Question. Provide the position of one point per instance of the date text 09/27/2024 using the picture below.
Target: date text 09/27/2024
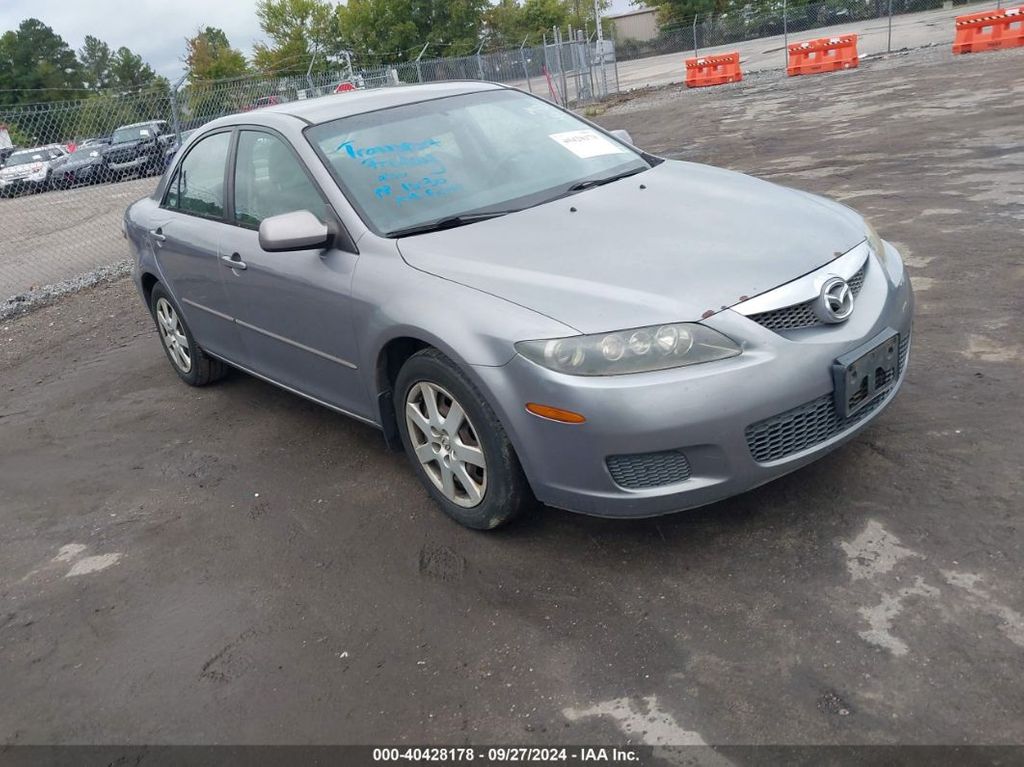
(512, 754)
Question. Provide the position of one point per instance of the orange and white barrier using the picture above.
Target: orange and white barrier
(989, 30)
(826, 54)
(713, 70)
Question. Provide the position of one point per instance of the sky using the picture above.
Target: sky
(155, 29)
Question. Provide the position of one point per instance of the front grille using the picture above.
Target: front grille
(641, 470)
(802, 315)
(856, 282)
(802, 427)
(812, 423)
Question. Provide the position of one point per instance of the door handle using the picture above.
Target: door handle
(158, 235)
(234, 261)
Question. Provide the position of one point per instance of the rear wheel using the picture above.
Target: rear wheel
(456, 444)
(190, 362)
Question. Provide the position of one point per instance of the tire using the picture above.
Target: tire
(479, 497)
(193, 366)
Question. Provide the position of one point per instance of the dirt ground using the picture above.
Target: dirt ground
(236, 565)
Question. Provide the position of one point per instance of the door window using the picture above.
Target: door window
(270, 180)
(197, 186)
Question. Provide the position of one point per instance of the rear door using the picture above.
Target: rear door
(292, 309)
(186, 234)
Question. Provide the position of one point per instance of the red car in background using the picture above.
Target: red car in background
(264, 101)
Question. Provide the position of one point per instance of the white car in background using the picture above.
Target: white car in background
(29, 169)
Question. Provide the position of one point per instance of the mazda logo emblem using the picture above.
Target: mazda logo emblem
(836, 302)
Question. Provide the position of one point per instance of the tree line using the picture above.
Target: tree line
(37, 65)
(378, 32)
(99, 87)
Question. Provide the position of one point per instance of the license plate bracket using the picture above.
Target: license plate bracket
(866, 373)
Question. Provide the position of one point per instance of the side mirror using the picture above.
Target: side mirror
(299, 230)
(623, 135)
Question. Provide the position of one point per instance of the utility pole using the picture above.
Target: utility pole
(348, 64)
(419, 72)
(888, 46)
(785, 35)
(309, 69)
(526, 69)
(600, 48)
(175, 116)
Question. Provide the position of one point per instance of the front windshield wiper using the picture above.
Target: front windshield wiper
(579, 186)
(450, 222)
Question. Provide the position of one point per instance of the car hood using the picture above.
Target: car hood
(126, 147)
(78, 162)
(668, 245)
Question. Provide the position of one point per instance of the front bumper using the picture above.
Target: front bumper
(703, 411)
(133, 164)
(17, 184)
(78, 175)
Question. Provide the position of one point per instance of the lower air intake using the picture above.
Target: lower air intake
(637, 471)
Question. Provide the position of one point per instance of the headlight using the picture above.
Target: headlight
(887, 257)
(639, 350)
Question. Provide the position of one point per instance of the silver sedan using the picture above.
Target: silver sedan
(531, 307)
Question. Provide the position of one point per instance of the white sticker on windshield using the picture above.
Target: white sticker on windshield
(143, 132)
(587, 143)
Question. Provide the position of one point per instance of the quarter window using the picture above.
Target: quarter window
(197, 186)
(270, 180)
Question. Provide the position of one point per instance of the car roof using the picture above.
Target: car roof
(333, 106)
(142, 124)
(39, 148)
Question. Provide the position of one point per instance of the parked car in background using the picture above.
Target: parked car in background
(5, 152)
(85, 165)
(29, 169)
(527, 303)
(175, 144)
(139, 149)
(262, 102)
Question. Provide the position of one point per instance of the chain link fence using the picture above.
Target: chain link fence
(789, 22)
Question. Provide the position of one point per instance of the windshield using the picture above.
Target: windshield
(24, 158)
(122, 135)
(492, 151)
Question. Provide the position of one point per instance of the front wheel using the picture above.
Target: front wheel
(456, 444)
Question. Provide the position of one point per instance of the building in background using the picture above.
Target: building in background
(640, 24)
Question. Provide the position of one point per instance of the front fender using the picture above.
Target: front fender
(393, 300)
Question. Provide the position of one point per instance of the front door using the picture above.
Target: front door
(185, 232)
(292, 309)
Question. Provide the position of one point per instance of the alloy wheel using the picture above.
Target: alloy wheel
(446, 444)
(173, 334)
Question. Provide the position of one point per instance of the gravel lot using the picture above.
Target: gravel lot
(235, 565)
(58, 235)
